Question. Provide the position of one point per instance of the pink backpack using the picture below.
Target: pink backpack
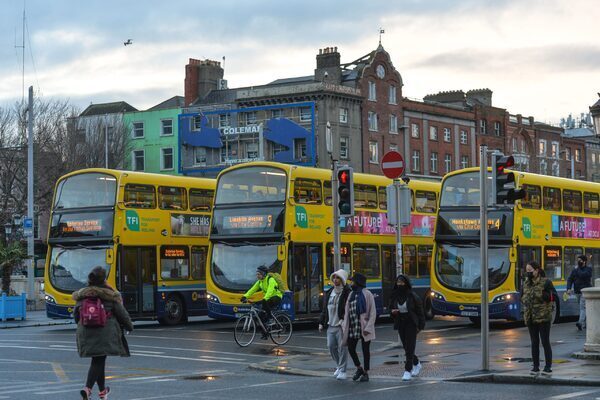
(92, 313)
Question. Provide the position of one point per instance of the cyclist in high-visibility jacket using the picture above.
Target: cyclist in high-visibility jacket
(272, 294)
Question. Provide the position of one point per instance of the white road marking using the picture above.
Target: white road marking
(571, 395)
(358, 393)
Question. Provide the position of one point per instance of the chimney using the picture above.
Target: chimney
(328, 66)
(201, 77)
(484, 96)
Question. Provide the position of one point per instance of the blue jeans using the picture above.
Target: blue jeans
(581, 301)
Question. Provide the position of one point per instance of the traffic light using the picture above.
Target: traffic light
(345, 191)
(503, 182)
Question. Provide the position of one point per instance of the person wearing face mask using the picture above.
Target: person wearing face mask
(334, 305)
(580, 278)
(537, 313)
(406, 308)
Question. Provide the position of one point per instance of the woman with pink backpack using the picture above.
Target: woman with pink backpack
(100, 318)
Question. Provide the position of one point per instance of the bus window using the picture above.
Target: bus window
(552, 262)
(174, 262)
(526, 255)
(593, 256)
(365, 196)
(382, 198)
(251, 184)
(463, 190)
(199, 262)
(572, 201)
(201, 199)
(86, 190)
(171, 198)
(425, 201)
(327, 193)
(409, 259)
(533, 197)
(571, 254)
(307, 191)
(424, 260)
(139, 196)
(590, 203)
(345, 256)
(412, 200)
(366, 260)
(552, 199)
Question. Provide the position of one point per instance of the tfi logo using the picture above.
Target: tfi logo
(301, 217)
(133, 220)
(527, 228)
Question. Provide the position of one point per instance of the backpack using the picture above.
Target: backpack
(279, 280)
(92, 313)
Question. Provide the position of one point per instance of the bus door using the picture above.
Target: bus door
(307, 277)
(388, 263)
(138, 279)
(526, 254)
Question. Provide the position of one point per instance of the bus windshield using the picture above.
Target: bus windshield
(86, 190)
(463, 190)
(253, 184)
(459, 266)
(233, 267)
(69, 267)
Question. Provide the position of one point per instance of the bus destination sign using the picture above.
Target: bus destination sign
(468, 224)
(247, 221)
(473, 224)
(97, 224)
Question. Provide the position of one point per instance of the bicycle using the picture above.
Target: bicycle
(279, 330)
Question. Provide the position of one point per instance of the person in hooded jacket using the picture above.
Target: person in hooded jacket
(102, 341)
(359, 325)
(334, 306)
(406, 308)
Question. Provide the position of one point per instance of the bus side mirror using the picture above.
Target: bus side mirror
(108, 257)
(281, 252)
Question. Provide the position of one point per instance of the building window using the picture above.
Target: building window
(197, 122)
(343, 115)
(372, 121)
(278, 148)
(554, 150)
(434, 162)
(593, 158)
(223, 120)
(414, 130)
(464, 161)
(373, 152)
(393, 124)
(523, 146)
(304, 114)
(447, 135)
(542, 148)
(393, 94)
(513, 119)
(344, 147)
(464, 139)
(515, 145)
(251, 118)
(497, 127)
(578, 155)
(482, 126)
(252, 150)
(299, 149)
(278, 113)
(199, 155)
(543, 167)
(568, 153)
(416, 160)
(166, 158)
(393, 147)
(138, 160)
(166, 127)
(555, 169)
(372, 91)
(138, 130)
(433, 133)
(448, 163)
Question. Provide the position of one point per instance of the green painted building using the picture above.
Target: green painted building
(153, 138)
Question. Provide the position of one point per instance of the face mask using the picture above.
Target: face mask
(530, 275)
(580, 263)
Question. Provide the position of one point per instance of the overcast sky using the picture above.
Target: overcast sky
(540, 57)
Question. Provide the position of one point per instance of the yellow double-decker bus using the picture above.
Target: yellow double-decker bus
(149, 231)
(556, 221)
(281, 216)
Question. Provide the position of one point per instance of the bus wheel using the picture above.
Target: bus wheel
(174, 312)
(428, 308)
(556, 312)
(475, 321)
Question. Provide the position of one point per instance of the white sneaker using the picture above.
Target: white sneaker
(416, 369)
(336, 373)
(341, 376)
(407, 376)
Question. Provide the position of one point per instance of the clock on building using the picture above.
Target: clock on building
(380, 71)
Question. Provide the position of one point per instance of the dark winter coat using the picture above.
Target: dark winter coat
(415, 310)
(580, 278)
(324, 317)
(109, 339)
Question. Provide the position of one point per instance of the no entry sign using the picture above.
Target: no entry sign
(392, 164)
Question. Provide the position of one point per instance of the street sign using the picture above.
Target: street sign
(27, 227)
(392, 164)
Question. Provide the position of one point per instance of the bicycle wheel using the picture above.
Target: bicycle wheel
(245, 330)
(281, 330)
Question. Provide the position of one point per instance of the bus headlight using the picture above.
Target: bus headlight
(437, 296)
(49, 299)
(503, 297)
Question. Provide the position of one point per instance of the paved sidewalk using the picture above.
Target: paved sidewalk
(454, 354)
(34, 318)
